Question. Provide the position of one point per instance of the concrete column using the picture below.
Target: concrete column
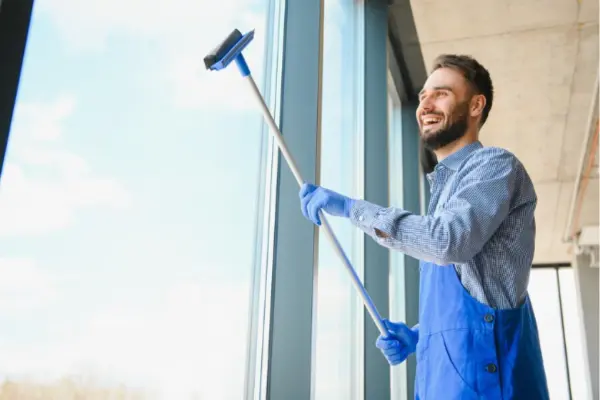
(587, 285)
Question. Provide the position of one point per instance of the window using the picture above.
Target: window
(397, 282)
(339, 320)
(553, 295)
(407, 192)
(129, 203)
(573, 333)
(544, 296)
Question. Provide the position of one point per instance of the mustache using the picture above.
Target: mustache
(436, 113)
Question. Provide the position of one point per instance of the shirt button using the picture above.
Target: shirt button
(488, 318)
(491, 368)
(361, 218)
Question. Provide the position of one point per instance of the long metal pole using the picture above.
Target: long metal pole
(368, 302)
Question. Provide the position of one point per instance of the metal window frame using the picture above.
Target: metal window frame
(15, 19)
(405, 272)
(290, 348)
(376, 188)
(259, 305)
(551, 265)
(411, 201)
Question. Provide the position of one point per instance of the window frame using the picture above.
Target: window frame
(15, 19)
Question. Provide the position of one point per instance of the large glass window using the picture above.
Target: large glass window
(543, 289)
(339, 327)
(574, 334)
(553, 295)
(129, 203)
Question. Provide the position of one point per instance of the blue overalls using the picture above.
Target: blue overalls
(468, 350)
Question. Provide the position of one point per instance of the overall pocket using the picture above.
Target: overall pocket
(451, 373)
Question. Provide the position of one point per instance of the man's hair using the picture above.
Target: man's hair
(475, 73)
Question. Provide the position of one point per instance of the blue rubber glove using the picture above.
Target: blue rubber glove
(315, 198)
(400, 343)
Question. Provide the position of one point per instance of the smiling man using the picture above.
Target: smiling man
(477, 335)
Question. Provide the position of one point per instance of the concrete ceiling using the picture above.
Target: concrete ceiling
(543, 59)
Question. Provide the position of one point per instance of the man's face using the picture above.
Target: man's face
(443, 110)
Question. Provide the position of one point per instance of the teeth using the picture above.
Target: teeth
(428, 121)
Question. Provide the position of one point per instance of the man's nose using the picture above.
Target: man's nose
(426, 106)
(427, 103)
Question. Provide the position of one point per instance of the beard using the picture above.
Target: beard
(454, 130)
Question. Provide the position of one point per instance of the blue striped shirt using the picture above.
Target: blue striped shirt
(480, 218)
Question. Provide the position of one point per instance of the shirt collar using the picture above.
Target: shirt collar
(454, 160)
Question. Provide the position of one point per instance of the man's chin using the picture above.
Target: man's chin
(431, 145)
(431, 139)
(429, 134)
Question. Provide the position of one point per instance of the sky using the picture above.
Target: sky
(127, 250)
(127, 247)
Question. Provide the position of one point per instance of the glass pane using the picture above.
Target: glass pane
(127, 251)
(574, 335)
(397, 282)
(338, 311)
(543, 290)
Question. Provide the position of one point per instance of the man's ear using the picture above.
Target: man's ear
(477, 105)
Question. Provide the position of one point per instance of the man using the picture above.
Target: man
(477, 334)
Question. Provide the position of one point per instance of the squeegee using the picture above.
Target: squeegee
(231, 50)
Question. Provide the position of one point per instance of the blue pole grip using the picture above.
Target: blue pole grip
(242, 65)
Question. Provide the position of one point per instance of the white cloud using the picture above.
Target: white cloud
(23, 286)
(182, 33)
(190, 339)
(193, 342)
(43, 183)
(89, 25)
(194, 88)
(45, 120)
(172, 26)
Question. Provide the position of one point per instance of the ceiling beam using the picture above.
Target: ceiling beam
(405, 46)
(588, 148)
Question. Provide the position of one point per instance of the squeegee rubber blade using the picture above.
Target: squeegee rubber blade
(221, 50)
